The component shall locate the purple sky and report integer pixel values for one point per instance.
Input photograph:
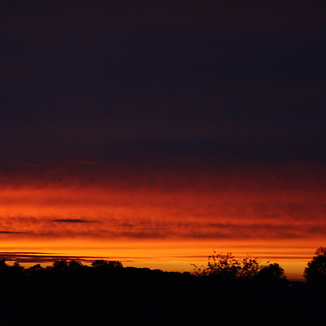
(157, 82)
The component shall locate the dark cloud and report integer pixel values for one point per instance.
(125, 225)
(137, 227)
(12, 232)
(72, 220)
(40, 257)
(151, 228)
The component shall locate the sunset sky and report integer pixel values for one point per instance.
(154, 132)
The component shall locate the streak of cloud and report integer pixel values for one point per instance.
(34, 257)
(71, 220)
(10, 232)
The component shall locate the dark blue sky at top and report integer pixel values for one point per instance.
(149, 82)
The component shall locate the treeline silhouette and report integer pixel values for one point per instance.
(222, 269)
(227, 291)
(74, 273)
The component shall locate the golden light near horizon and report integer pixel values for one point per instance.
(166, 255)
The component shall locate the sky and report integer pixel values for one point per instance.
(156, 132)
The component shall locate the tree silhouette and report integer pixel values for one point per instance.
(4, 272)
(16, 269)
(3, 266)
(75, 266)
(100, 263)
(271, 273)
(60, 267)
(315, 272)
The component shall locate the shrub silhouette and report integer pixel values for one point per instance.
(249, 268)
(226, 268)
(223, 267)
(315, 272)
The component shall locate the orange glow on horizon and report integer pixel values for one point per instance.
(165, 255)
(160, 225)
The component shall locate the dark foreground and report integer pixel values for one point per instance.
(179, 303)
